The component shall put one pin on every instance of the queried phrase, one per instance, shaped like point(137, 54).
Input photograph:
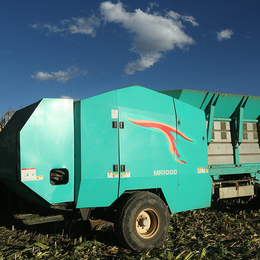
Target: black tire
point(142, 221)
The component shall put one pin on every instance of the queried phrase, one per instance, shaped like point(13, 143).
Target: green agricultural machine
point(138, 154)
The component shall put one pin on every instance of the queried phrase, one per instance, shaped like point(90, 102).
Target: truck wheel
point(142, 221)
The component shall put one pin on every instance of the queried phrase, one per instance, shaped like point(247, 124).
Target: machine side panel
point(10, 146)
point(97, 164)
point(195, 183)
point(148, 151)
point(47, 151)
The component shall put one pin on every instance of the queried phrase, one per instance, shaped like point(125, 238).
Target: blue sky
point(79, 49)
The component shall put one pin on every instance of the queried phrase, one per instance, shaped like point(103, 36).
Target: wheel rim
point(147, 223)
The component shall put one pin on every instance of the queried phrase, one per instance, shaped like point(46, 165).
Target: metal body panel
point(10, 146)
point(42, 140)
point(133, 139)
point(97, 151)
point(236, 192)
point(249, 149)
point(232, 128)
point(194, 182)
point(225, 104)
point(216, 170)
point(145, 142)
point(151, 149)
point(220, 149)
point(46, 143)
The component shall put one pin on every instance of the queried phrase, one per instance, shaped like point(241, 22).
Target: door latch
point(122, 167)
point(114, 124)
point(115, 168)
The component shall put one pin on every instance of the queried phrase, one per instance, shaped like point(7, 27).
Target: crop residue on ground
point(225, 231)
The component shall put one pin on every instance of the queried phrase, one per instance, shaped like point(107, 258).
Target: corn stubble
point(230, 230)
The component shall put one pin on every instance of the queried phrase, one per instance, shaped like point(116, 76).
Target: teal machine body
point(177, 143)
point(138, 139)
point(38, 140)
point(233, 139)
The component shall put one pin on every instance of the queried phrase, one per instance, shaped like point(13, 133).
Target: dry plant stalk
point(6, 117)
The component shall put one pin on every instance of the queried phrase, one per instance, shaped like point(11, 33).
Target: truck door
point(147, 148)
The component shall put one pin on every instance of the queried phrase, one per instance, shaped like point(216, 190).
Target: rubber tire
point(125, 223)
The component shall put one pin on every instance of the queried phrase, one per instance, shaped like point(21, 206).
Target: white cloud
point(152, 34)
point(186, 18)
point(151, 6)
point(83, 25)
point(65, 97)
point(224, 35)
point(80, 25)
point(60, 76)
point(190, 19)
point(143, 63)
point(49, 27)
point(68, 97)
point(174, 15)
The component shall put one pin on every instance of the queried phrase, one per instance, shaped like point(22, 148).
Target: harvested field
point(228, 230)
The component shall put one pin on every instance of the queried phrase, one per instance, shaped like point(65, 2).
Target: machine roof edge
point(225, 104)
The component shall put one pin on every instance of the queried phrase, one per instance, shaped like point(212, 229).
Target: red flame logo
point(167, 130)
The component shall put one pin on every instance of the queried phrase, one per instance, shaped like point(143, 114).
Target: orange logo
point(167, 130)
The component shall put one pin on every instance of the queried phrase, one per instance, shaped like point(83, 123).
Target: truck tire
point(142, 221)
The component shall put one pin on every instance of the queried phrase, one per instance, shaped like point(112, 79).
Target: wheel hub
point(147, 223)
